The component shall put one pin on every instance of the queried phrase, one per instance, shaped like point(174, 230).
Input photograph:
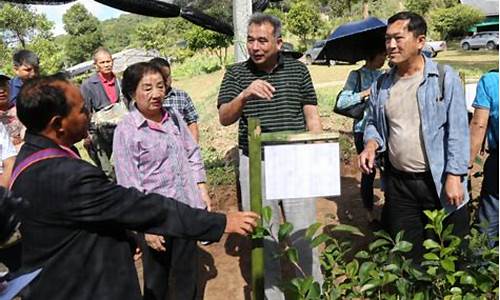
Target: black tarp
point(214, 15)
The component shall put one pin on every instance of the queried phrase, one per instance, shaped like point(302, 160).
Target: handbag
point(110, 115)
point(355, 111)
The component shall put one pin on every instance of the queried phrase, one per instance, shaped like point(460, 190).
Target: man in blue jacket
point(421, 127)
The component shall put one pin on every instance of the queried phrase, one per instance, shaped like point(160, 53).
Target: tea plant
point(451, 269)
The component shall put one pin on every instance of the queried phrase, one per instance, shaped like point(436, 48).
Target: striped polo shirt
point(293, 89)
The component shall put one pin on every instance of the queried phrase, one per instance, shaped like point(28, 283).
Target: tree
point(217, 43)
point(51, 54)
point(22, 27)
point(303, 20)
point(119, 33)
point(85, 34)
point(166, 36)
point(418, 6)
point(454, 21)
point(20, 24)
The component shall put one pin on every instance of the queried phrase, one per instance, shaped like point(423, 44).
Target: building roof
point(121, 61)
point(488, 7)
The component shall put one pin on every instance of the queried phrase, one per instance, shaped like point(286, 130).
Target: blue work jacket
point(443, 120)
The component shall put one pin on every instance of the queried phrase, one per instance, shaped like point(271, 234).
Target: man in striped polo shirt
point(278, 90)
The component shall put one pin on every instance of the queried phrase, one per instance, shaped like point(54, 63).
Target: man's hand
point(258, 89)
point(454, 190)
point(205, 196)
point(241, 222)
point(137, 254)
point(366, 159)
point(365, 93)
point(154, 241)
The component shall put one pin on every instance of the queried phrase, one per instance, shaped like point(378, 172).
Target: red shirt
point(109, 87)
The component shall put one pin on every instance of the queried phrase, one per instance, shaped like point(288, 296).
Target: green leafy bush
point(196, 65)
point(452, 269)
point(454, 21)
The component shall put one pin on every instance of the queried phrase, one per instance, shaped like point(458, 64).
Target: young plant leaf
point(267, 212)
point(348, 228)
point(311, 231)
point(285, 229)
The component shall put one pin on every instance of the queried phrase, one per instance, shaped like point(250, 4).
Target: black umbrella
point(355, 41)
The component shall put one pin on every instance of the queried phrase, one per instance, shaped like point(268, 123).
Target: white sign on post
point(302, 171)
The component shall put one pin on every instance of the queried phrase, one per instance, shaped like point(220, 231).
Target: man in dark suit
point(76, 225)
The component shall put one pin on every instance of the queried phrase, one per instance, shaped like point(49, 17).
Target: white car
point(485, 39)
point(432, 48)
point(311, 55)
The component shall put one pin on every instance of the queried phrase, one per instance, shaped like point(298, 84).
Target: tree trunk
point(366, 12)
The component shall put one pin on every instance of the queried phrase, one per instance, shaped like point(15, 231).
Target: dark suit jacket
point(75, 227)
point(94, 94)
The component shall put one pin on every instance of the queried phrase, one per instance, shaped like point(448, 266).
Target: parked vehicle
point(311, 55)
point(432, 48)
point(485, 39)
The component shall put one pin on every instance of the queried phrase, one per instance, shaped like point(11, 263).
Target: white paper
point(470, 94)
point(302, 171)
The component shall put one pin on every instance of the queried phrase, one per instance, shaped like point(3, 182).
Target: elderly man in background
point(101, 91)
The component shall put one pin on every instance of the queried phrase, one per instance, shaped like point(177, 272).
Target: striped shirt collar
point(280, 64)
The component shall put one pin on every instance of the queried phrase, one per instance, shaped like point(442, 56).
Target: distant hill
point(119, 32)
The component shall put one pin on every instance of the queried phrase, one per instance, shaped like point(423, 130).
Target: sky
point(55, 12)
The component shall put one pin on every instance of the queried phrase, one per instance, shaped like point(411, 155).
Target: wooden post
point(255, 158)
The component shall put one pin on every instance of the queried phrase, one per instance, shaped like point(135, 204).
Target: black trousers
point(406, 198)
point(172, 274)
point(366, 179)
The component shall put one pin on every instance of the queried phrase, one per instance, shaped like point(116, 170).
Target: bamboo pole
point(254, 154)
point(297, 136)
point(462, 78)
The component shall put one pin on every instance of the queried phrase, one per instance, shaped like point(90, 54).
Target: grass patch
point(327, 97)
point(472, 63)
point(218, 170)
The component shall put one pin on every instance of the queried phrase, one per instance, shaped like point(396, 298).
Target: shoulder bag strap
point(33, 159)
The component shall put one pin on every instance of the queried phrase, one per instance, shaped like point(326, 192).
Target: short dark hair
point(160, 62)
point(260, 18)
point(25, 57)
point(133, 75)
point(417, 24)
point(40, 99)
point(374, 52)
point(4, 80)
